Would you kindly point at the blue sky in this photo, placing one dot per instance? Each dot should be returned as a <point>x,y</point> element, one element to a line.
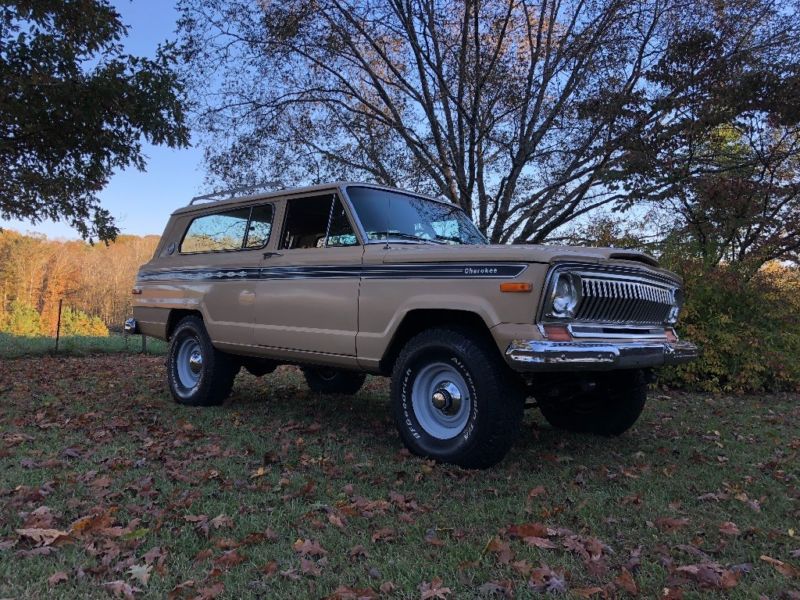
<point>142,201</point>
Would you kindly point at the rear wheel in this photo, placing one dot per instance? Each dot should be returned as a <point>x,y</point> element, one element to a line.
<point>609,407</point>
<point>333,381</point>
<point>454,400</point>
<point>198,374</point>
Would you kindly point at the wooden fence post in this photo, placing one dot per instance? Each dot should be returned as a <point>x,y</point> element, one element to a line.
<point>58,324</point>
<point>144,344</point>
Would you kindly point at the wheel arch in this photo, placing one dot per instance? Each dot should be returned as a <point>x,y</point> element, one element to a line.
<point>418,320</point>
<point>176,315</point>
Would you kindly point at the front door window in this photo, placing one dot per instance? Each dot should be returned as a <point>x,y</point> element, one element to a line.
<point>316,222</point>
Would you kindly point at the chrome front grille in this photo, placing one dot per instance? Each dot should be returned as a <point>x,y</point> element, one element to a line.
<point>623,300</point>
<point>613,295</point>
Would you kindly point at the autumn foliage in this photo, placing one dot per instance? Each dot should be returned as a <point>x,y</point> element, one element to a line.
<point>94,282</point>
<point>746,326</point>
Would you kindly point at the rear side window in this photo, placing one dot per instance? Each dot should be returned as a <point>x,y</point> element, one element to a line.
<point>230,230</point>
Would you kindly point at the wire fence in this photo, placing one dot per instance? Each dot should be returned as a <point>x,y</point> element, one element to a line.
<point>65,341</point>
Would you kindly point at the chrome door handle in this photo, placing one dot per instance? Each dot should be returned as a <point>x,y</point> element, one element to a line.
<point>271,254</point>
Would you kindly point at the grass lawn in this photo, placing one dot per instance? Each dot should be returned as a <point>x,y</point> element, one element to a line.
<point>107,487</point>
<point>12,346</point>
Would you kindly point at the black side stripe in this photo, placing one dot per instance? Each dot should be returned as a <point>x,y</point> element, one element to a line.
<point>399,271</point>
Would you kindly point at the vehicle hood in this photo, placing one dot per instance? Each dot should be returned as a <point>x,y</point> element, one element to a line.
<point>528,253</point>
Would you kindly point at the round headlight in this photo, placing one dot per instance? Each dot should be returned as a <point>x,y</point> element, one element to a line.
<point>565,296</point>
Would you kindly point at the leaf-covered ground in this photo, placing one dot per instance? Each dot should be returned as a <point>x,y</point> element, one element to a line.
<point>108,489</point>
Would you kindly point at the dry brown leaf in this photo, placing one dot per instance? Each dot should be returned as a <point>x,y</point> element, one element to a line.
<point>729,528</point>
<point>385,534</point>
<point>56,578</point>
<point>310,567</point>
<point>626,581</point>
<point>229,559</point>
<point>669,524</point>
<point>387,587</point>
<point>347,593</point>
<point>501,549</point>
<point>45,537</point>
<point>434,590</point>
<point>221,521</point>
<point>781,567</point>
<point>497,589</point>
<point>309,548</point>
<point>540,542</point>
<point>528,530</point>
<point>586,592</point>
<point>121,589</point>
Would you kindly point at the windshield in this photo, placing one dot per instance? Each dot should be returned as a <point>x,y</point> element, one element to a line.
<point>387,215</point>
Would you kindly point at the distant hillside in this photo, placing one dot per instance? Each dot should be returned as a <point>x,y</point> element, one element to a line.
<point>35,272</point>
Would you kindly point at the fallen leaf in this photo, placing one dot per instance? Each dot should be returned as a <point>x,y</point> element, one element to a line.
<point>496,589</point>
<point>309,548</point>
<point>586,592</point>
<point>46,537</point>
<point>668,524</point>
<point>536,492</point>
<point>781,567</point>
<point>434,590</point>
<point>211,592</point>
<point>221,521</point>
<point>729,528</point>
<point>385,534</point>
<point>347,593</point>
<point>229,559</point>
<point>120,589</point>
<point>310,567</point>
<point>259,472</point>
<point>140,573</point>
<point>626,581</point>
<point>271,568</point>
<point>387,587</point>
<point>527,530</point>
<point>56,578</point>
<point>540,542</point>
<point>501,549</point>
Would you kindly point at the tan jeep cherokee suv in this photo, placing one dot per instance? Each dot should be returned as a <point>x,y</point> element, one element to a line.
<point>350,279</point>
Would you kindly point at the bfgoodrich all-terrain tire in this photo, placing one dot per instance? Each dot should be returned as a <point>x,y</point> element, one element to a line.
<point>198,373</point>
<point>333,381</point>
<point>610,408</point>
<point>455,400</point>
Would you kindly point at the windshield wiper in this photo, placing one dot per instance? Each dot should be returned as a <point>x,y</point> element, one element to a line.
<point>402,236</point>
<point>450,238</point>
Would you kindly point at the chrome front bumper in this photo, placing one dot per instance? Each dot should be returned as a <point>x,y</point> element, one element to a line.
<point>541,355</point>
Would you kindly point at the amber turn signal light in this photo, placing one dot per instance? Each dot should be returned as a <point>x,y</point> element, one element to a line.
<point>557,333</point>
<point>516,286</point>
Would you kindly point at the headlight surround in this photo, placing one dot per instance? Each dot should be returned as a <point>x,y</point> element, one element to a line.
<point>565,296</point>
<point>677,304</point>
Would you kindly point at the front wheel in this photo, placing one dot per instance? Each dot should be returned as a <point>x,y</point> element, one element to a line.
<point>198,374</point>
<point>609,407</point>
<point>454,400</point>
